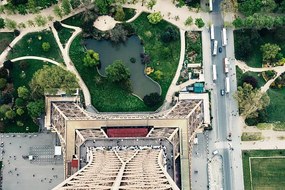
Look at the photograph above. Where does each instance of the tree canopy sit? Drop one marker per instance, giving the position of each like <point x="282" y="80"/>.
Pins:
<point x="23" y="92"/>
<point x="199" y="22"/>
<point x="154" y="18"/>
<point x="269" y="52"/>
<point x="251" y="100"/>
<point x="50" y="79"/>
<point x="152" y="100"/>
<point x="35" y="109"/>
<point x="91" y="58"/>
<point x="117" y="71"/>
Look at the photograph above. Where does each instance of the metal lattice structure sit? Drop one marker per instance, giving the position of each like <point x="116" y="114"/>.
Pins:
<point x="75" y="126"/>
<point x="124" y="170"/>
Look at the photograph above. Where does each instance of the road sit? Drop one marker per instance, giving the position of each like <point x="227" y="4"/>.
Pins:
<point x="224" y="108"/>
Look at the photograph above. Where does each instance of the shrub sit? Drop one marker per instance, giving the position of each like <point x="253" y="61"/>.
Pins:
<point x="57" y="25"/>
<point x="19" y="102"/>
<point x="145" y="58"/>
<point x="17" y="32"/>
<point x="152" y="100"/>
<point x="3" y="72"/>
<point x="2" y="23"/>
<point x="8" y="65"/>
<point x="120" y="14"/>
<point x="133" y="60"/>
<point x="199" y="22"/>
<point x="188" y="21"/>
<point x="23" y="65"/>
<point x="46" y="46"/>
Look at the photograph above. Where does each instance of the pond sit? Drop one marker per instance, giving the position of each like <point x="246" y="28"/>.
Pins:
<point x="109" y="52"/>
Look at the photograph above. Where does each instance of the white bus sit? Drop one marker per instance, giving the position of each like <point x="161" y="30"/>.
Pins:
<point x="212" y="32"/>
<point x="227" y="83"/>
<point x="211" y="5"/>
<point x="226" y="65"/>
<point x="224" y="37"/>
<point x="214" y="72"/>
<point x="215" y="48"/>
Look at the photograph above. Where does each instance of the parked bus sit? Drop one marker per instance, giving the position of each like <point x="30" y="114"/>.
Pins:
<point x="212" y="32"/>
<point x="214" y="72"/>
<point x="226" y="65"/>
<point x="227" y="83"/>
<point x="224" y="37"/>
<point x="215" y="48"/>
<point x="211" y="5"/>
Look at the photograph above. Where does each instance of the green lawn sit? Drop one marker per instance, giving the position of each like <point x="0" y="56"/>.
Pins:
<point x="268" y="173"/>
<point x="75" y="20"/>
<point x="33" y="66"/>
<point x="276" y="108"/>
<point x="107" y="96"/>
<point x="5" y="39"/>
<point x="153" y="46"/>
<point x="64" y="34"/>
<point x="31" y="45"/>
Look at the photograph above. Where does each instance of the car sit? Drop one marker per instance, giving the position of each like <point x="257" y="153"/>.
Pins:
<point x="220" y="49"/>
<point x="215" y="152"/>
<point x="222" y="92"/>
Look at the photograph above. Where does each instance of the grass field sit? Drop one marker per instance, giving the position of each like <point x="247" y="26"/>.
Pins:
<point x="31" y="45"/>
<point x="5" y="39"/>
<point x="266" y="173"/>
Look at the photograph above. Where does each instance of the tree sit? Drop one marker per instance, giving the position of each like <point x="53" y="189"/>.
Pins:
<point x="18" y="2"/>
<point x="20" y="123"/>
<point x="145" y="58"/>
<point x="8" y="65"/>
<point x="3" y="83"/>
<point x="20" y="111"/>
<point x="154" y="18"/>
<point x="10" y="24"/>
<point x="91" y="59"/>
<point x="51" y="78"/>
<point x="32" y="6"/>
<point x="19" y="102"/>
<point x="249" y="7"/>
<point x="188" y="21"/>
<point x="40" y="20"/>
<point x="120" y="14"/>
<point x="117" y="71"/>
<point x="250" y="80"/>
<point x="66" y="7"/>
<point x="251" y="100"/>
<point x="10" y="114"/>
<point x="2" y="23"/>
<point x="57" y="11"/>
<point x="152" y="100"/>
<point x="57" y="25"/>
<point x="23" y="92"/>
<point x="170" y="34"/>
<point x="75" y="3"/>
<point x="103" y="6"/>
<point x="3" y="109"/>
<point x="269" y="51"/>
<point x="199" y="22"/>
<point x="118" y="34"/>
<point x="35" y="109"/>
<point x="150" y="4"/>
<point x="46" y="46"/>
<point x="3" y="72"/>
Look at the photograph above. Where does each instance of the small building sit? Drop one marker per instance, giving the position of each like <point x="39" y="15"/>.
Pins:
<point x="199" y="87"/>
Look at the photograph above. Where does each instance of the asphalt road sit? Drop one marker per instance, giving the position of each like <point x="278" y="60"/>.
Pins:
<point x="225" y="116"/>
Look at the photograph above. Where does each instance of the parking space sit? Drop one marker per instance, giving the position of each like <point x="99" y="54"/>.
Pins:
<point x="44" y="171"/>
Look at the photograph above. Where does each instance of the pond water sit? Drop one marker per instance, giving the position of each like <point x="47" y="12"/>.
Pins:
<point x="109" y="52"/>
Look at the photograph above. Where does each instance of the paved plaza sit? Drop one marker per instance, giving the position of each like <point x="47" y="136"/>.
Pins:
<point x="44" y="172"/>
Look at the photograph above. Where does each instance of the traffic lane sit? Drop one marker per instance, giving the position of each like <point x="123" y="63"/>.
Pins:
<point x="216" y="5"/>
<point x="227" y="169"/>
